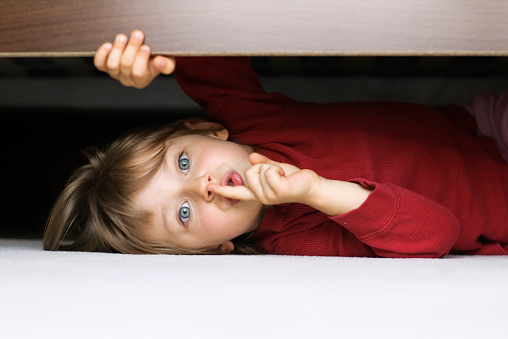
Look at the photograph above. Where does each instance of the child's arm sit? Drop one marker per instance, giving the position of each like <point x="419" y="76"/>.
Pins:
<point x="129" y="61"/>
<point x="393" y="221"/>
<point x="218" y="84"/>
<point x="273" y="183"/>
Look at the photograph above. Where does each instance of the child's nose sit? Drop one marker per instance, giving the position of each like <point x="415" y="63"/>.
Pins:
<point x="201" y="187"/>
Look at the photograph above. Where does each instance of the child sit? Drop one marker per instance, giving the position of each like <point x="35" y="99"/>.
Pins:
<point x="342" y="179"/>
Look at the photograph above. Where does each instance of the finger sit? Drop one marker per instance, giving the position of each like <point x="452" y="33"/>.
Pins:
<point x="130" y="53"/>
<point x="163" y="64"/>
<point x="233" y="192"/>
<point x="273" y="177"/>
<point x="256" y="158"/>
<point x="269" y="177"/>
<point x="101" y="56"/>
<point x="274" y="171"/>
<point x="113" y="62"/>
<point x="252" y="177"/>
<point x="142" y="75"/>
<point x="255" y="177"/>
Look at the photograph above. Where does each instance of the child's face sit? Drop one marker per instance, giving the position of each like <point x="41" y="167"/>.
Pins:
<point x="185" y="212"/>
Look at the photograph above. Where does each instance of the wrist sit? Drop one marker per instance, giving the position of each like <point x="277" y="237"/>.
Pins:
<point x="334" y="197"/>
<point x="316" y="191"/>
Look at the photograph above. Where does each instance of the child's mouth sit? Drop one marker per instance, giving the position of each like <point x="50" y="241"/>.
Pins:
<point x="232" y="178"/>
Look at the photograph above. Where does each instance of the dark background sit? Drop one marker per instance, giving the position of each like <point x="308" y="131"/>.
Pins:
<point x="51" y="108"/>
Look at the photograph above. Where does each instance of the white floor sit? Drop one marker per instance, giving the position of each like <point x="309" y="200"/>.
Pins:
<point x="96" y="295"/>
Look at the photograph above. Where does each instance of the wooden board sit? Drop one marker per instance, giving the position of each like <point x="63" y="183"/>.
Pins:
<point x="260" y="27"/>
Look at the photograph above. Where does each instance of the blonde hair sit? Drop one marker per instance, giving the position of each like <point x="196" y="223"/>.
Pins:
<point x="94" y="213"/>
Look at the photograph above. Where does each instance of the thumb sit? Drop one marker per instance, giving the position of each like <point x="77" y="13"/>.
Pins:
<point x="164" y="65"/>
<point x="256" y="158"/>
<point x="285" y="169"/>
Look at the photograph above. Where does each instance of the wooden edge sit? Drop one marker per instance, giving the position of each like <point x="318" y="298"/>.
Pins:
<point x="295" y="54"/>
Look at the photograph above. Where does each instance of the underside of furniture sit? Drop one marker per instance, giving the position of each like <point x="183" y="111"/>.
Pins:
<point x="261" y="27"/>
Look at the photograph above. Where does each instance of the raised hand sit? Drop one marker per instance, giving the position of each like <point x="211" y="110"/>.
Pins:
<point x="270" y="183"/>
<point x="128" y="60"/>
<point x="273" y="183"/>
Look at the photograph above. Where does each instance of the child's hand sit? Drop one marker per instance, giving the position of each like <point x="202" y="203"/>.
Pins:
<point x="129" y="61"/>
<point x="272" y="183"/>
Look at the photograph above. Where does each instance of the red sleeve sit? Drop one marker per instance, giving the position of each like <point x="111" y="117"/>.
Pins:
<point x="229" y="90"/>
<point x="204" y="79"/>
<point x="396" y="222"/>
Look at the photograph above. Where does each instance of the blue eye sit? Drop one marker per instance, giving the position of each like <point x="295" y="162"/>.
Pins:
<point x="184" y="213"/>
<point x="184" y="163"/>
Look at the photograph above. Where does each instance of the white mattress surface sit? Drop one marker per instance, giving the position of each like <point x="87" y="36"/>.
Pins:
<point x="98" y="295"/>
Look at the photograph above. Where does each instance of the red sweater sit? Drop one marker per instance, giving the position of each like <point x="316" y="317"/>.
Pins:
<point x="437" y="188"/>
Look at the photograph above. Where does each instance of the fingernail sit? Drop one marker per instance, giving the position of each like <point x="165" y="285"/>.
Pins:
<point x="121" y="38"/>
<point x="136" y="35"/>
<point x="108" y="46"/>
<point x="160" y="63"/>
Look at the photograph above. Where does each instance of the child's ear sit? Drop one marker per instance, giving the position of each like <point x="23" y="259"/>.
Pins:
<point x="226" y="248"/>
<point x="222" y="134"/>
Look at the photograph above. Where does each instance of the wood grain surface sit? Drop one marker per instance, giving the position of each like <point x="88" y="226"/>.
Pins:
<point x="258" y="27"/>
